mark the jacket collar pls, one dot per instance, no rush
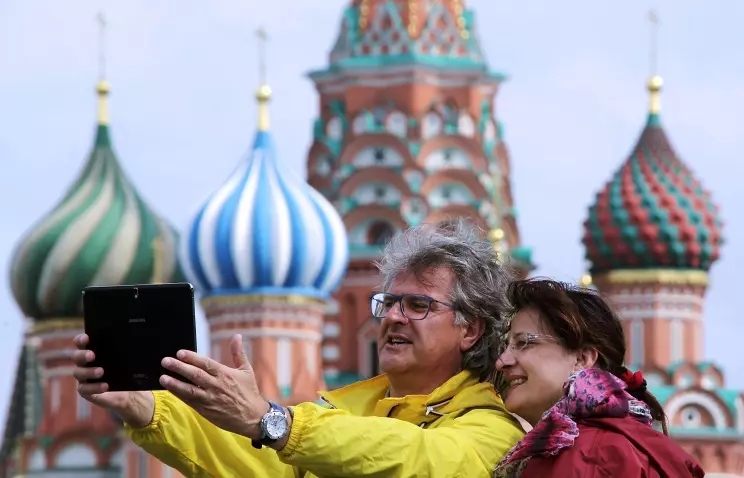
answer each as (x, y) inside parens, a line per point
(369, 397)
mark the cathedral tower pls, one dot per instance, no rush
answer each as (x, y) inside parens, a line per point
(406, 134)
(651, 237)
(101, 233)
(265, 252)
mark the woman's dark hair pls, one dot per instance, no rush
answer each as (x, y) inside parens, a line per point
(580, 318)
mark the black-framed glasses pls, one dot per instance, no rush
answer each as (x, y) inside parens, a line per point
(412, 306)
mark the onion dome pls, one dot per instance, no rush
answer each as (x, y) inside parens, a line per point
(266, 231)
(653, 213)
(101, 233)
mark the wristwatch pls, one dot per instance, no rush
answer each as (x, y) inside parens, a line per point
(274, 426)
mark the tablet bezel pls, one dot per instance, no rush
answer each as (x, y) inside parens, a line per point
(106, 330)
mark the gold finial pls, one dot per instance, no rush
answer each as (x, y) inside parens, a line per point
(586, 280)
(460, 14)
(496, 237)
(364, 14)
(264, 91)
(157, 261)
(654, 83)
(413, 18)
(103, 86)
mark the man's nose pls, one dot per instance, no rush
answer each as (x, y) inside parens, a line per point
(395, 316)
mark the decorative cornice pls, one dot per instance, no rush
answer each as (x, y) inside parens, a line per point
(239, 299)
(337, 82)
(655, 276)
(57, 323)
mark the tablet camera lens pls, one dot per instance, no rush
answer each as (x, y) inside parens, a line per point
(136, 293)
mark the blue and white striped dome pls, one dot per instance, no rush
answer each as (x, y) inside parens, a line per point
(266, 231)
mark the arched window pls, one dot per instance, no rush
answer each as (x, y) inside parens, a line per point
(377, 156)
(37, 460)
(397, 124)
(334, 129)
(76, 456)
(379, 233)
(374, 359)
(431, 125)
(465, 125)
(376, 192)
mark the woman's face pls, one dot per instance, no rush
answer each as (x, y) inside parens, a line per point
(535, 366)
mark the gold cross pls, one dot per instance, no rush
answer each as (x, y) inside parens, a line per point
(262, 39)
(102, 46)
(654, 19)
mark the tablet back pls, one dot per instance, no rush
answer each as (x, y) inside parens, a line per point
(133, 327)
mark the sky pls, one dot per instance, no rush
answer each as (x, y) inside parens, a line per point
(184, 73)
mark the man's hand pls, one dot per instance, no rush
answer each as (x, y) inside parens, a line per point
(227, 397)
(135, 408)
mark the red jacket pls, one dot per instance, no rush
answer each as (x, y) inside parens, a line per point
(621, 447)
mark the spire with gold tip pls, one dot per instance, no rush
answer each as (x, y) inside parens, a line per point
(653, 213)
(102, 232)
(266, 231)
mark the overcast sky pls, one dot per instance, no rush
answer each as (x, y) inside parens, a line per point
(183, 76)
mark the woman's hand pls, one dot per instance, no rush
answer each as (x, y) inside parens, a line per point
(227, 397)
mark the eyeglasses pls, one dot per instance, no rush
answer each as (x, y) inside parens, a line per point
(521, 340)
(412, 306)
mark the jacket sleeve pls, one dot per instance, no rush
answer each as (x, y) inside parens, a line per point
(184, 440)
(334, 443)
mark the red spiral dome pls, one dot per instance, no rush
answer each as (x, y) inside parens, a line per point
(653, 213)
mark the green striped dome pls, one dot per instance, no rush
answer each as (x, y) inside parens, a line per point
(101, 233)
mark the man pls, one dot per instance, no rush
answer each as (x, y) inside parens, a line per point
(440, 318)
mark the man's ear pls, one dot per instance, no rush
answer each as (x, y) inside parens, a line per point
(471, 332)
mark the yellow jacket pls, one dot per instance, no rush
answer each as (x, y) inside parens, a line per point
(460, 430)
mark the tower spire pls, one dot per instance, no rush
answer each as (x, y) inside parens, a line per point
(655, 82)
(103, 86)
(264, 91)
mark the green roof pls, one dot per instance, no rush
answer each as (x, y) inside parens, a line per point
(101, 233)
(523, 256)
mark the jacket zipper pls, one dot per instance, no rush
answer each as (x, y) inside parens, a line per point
(326, 401)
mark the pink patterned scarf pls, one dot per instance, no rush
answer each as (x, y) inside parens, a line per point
(588, 393)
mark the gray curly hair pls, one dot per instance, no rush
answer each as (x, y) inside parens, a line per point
(480, 280)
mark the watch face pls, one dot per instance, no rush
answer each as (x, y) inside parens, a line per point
(276, 426)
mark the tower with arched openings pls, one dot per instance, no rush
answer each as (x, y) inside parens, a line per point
(406, 133)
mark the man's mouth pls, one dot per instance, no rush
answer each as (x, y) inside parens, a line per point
(397, 341)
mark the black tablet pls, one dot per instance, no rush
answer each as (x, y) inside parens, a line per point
(133, 327)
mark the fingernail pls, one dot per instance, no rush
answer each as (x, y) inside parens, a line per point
(181, 354)
(167, 361)
(163, 380)
(89, 356)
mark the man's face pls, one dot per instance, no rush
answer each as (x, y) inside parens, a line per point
(433, 345)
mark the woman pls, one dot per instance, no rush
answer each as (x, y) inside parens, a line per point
(561, 370)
